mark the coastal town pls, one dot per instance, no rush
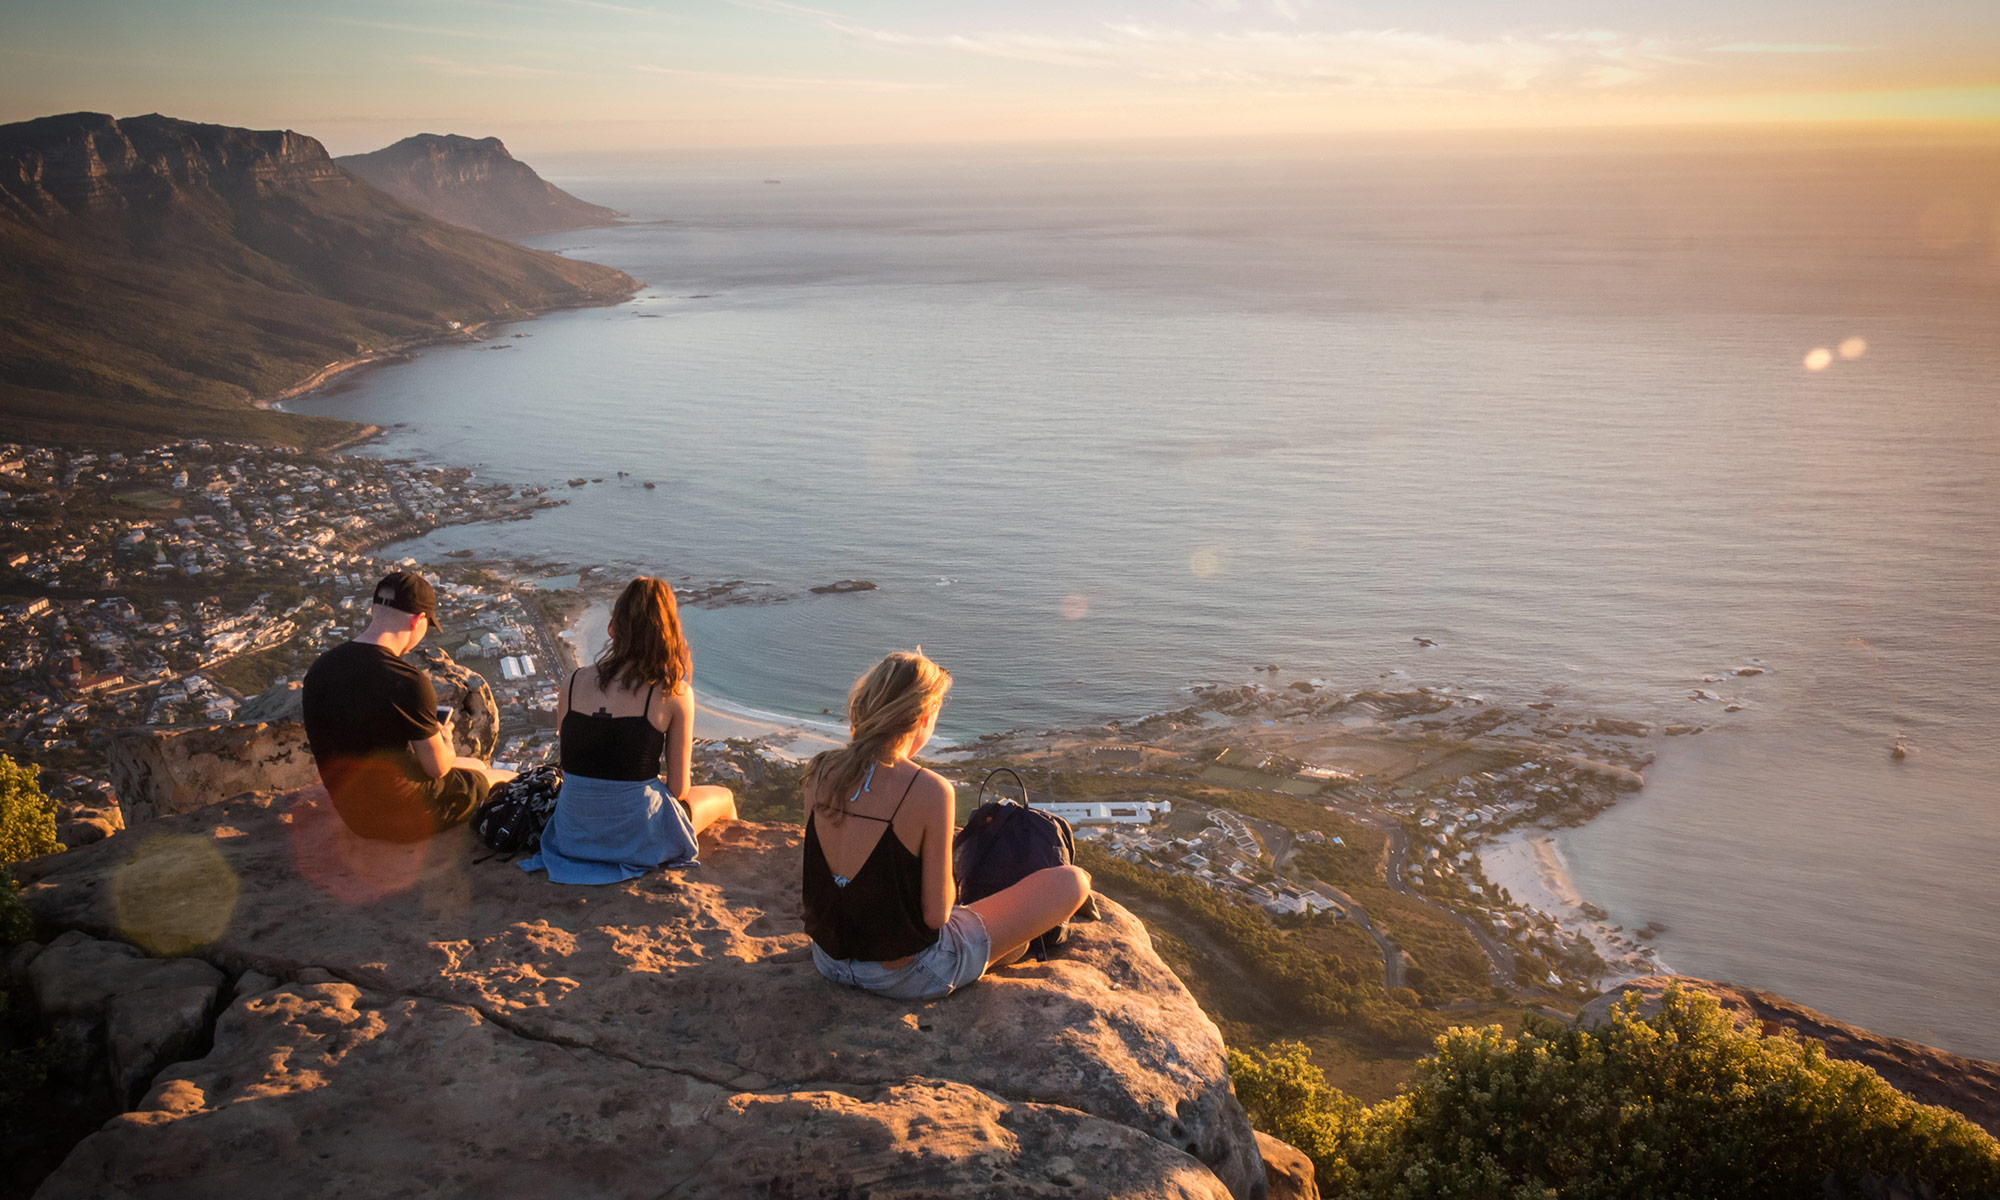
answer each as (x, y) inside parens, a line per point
(169, 585)
(1459, 789)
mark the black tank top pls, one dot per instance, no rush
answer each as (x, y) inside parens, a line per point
(877, 915)
(606, 747)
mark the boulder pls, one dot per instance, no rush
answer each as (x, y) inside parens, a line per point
(81, 822)
(156, 770)
(1968, 1086)
(1287, 1171)
(109, 999)
(454, 1024)
(161, 770)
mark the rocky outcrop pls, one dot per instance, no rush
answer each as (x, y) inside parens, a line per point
(452, 1025)
(1969, 1086)
(156, 770)
(109, 1003)
(1287, 1171)
(474, 182)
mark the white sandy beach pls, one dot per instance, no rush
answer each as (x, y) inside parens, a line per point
(719, 719)
(1529, 865)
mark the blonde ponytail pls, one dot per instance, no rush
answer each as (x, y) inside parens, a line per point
(885, 706)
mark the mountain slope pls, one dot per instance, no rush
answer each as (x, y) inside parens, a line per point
(474, 182)
(159, 275)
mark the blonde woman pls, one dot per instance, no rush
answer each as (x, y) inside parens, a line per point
(880, 904)
(628, 804)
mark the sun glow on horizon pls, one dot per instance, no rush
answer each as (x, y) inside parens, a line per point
(596, 76)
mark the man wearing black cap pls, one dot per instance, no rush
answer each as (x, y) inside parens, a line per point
(373, 724)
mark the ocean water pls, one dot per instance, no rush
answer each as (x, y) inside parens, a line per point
(1100, 425)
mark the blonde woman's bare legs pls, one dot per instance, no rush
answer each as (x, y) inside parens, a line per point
(708, 804)
(1015, 916)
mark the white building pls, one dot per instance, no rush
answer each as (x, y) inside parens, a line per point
(1115, 812)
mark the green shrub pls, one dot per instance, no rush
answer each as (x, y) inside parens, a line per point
(27, 818)
(17, 925)
(1682, 1104)
(1290, 1099)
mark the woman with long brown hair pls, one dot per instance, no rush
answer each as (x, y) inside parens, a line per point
(880, 904)
(628, 804)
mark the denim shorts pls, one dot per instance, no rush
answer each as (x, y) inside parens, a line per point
(956, 959)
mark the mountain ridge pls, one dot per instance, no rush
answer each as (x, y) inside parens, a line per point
(474, 182)
(161, 276)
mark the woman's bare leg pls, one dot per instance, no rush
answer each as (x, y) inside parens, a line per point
(708, 803)
(1017, 915)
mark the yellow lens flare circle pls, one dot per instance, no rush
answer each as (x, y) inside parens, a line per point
(1853, 347)
(175, 894)
(1204, 562)
(1818, 358)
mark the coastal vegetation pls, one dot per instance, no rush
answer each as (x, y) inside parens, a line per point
(1680, 1104)
(1297, 978)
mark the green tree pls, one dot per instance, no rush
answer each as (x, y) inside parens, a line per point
(1680, 1104)
(27, 818)
(1290, 1099)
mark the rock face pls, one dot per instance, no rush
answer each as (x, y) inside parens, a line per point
(474, 182)
(452, 1025)
(165, 272)
(138, 1013)
(160, 770)
(1969, 1086)
(1287, 1171)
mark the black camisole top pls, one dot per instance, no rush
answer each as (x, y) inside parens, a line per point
(877, 915)
(601, 746)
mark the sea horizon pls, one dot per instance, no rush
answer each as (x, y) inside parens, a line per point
(1100, 431)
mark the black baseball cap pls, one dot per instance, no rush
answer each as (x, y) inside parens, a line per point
(409, 592)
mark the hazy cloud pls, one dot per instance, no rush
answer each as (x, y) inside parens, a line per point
(783, 83)
(491, 70)
(1353, 59)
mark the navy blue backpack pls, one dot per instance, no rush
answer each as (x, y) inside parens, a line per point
(1003, 843)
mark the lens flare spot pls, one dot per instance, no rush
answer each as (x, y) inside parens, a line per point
(1075, 607)
(1853, 347)
(1204, 562)
(1946, 223)
(175, 894)
(349, 868)
(1818, 358)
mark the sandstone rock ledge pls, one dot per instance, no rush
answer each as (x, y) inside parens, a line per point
(432, 1024)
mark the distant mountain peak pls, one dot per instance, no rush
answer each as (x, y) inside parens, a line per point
(157, 274)
(474, 182)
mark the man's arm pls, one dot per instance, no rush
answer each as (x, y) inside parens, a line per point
(435, 754)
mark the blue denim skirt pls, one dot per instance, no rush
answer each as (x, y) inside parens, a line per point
(956, 959)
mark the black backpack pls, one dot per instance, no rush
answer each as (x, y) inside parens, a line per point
(1003, 843)
(510, 819)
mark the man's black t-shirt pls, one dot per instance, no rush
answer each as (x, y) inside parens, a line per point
(363, 706)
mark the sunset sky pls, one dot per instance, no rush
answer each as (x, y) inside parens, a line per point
(593, 74)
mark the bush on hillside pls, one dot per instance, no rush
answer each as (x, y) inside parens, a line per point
(1682, 1104)
(27, 818)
